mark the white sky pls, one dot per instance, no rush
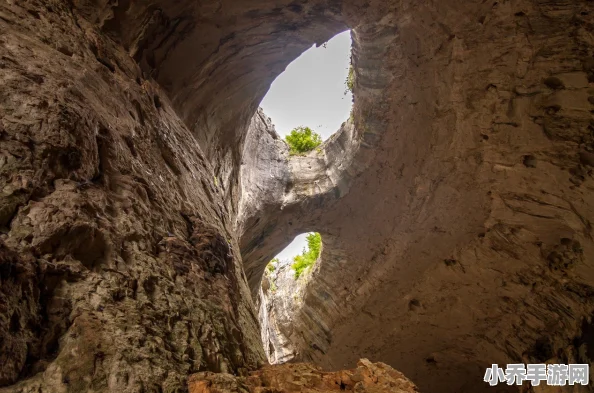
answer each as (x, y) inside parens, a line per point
(311, 90)
(311, 93)
(294, 248)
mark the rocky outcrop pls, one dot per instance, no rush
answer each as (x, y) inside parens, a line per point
(277, 188)
(119, 267)
(304, 378)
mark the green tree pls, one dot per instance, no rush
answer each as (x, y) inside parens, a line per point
(309, 255)
(303, 139)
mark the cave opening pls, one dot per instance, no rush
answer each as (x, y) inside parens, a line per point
(283, 195)
(282, 291)
(133, 123)
(314, 91)
(301, 254)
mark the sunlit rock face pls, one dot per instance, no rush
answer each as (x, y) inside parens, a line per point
(289, 325)
(282, 195)
(305, 378)
(279, 299)
(455, 206)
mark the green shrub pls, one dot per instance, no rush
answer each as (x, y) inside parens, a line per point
(303, 139)
(309, 255)
(271, 265)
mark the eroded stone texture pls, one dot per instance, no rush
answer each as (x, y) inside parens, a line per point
(283, 196)
(467, 236)
(484, 255)
(119, 267)
(456, 235)
(302, 377)
(280, 298)
(19, 307)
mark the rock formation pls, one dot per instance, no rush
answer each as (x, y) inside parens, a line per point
(467, 236)
(119, 267)
(455, 206)
(285, 322)
(303, 378)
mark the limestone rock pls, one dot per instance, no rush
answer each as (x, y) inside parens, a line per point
(280, 325)
(467, 233)
(455, 205)
(305, 378)
(119, 267)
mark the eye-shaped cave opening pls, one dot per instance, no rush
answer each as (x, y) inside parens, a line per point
(290, 157)
(310, 100)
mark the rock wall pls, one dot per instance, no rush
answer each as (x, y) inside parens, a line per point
(455, 207)
(283, 196)
(282, 316)
(483, 193)
(119, 267)
(466, 235)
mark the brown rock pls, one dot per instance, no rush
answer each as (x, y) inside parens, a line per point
(305, 378)
(587, 158)
(142, 194)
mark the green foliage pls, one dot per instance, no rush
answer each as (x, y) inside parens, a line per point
(309, 255)
(350, 80)
(271, 265)
(270, 268)
(303, 139)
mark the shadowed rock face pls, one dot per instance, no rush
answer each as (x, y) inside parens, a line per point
(455, 207)
(119, 267)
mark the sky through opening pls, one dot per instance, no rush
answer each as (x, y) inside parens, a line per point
(310, 92)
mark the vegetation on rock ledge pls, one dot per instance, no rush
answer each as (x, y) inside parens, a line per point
(350, 81)
(309, 255)
(271, 265)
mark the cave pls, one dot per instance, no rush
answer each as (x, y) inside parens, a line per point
(314, 91)
(144, 192)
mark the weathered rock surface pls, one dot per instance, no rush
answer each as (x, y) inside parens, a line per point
(467, 236)
(280, 301)
(302, 377)
(278, 191)
(457, 223)
(119, 267)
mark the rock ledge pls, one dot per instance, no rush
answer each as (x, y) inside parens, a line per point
(304, 377)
